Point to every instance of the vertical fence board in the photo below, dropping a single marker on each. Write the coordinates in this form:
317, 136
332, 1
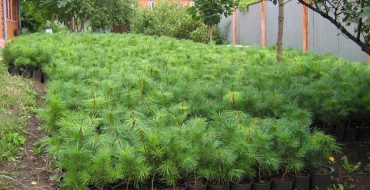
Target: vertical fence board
323, 37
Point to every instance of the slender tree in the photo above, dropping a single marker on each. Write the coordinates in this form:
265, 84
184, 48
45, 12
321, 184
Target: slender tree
210, 12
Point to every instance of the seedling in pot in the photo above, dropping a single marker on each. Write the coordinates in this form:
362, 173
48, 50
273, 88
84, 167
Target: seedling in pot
290, 151
268, 162
193, 163
321, 148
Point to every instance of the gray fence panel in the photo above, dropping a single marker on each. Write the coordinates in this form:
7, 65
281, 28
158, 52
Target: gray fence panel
323, 36
249, 26
225, 26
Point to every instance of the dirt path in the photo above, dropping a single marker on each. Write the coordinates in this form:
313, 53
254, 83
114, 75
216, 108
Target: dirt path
31, 170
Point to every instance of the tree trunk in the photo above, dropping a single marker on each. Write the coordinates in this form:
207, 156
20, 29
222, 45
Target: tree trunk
280, 36
210, 33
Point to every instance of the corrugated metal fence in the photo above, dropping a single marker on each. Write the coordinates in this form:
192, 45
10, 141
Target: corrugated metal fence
323, 37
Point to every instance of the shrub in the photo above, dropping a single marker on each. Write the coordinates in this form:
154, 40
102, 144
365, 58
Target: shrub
166, 19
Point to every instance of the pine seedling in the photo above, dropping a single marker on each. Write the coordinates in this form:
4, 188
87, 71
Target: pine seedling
54, 111
321, 147
267, 161
132, 166
101, 170
75, 161
288, 149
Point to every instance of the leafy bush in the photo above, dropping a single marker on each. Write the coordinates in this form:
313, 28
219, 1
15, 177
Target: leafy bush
166, 19
187, 111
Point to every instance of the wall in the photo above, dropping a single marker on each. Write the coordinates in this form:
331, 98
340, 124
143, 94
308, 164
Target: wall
2, 40
323, 36
12, 24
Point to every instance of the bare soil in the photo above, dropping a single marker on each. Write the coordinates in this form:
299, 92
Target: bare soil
356, 152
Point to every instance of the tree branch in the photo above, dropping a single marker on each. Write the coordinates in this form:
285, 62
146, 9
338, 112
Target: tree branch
363, 45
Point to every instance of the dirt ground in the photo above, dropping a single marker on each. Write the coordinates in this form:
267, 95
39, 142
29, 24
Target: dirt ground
31, 171
356, 152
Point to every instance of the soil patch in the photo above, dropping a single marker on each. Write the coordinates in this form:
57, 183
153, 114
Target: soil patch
31, 171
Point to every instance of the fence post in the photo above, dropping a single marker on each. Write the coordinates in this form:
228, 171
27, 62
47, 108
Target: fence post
235, 34
305, 28
263, 24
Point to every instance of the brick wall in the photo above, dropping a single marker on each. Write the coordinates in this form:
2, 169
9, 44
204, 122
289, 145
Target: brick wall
13, 24
2, 41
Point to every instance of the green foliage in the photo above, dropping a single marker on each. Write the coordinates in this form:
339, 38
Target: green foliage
350, 168
33, 18
16, 100
166, 19
210, 12
243, 4
146, 109
76, 13
111, 12
321, 147
337, 187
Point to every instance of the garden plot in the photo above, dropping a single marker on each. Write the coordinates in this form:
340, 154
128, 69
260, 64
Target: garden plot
133, 109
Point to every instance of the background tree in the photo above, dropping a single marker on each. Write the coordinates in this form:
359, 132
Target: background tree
76, 13
348, 16
280, 35
33, 18
111, 12
210, 12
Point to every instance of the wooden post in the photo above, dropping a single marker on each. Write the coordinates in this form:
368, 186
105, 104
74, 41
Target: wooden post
235, 25
368, 35
263, 24
305, 28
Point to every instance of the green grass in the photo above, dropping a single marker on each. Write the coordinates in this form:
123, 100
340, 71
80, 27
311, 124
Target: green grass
16, 98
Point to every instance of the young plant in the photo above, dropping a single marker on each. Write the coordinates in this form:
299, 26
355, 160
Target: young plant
101, 170
289, 148
321, 147
268, 161
132, 166
350, 168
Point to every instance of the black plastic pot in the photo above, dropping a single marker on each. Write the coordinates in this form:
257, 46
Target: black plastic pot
260, 186
37, 75
45, 78
363, 134
26, 73
350, 135
165, 187
321, 181
14, 70
339, 135
222, 187
236, 186
203, 187
301, 183
282, 185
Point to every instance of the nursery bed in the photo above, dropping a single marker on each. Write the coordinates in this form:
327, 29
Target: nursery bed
145, 110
